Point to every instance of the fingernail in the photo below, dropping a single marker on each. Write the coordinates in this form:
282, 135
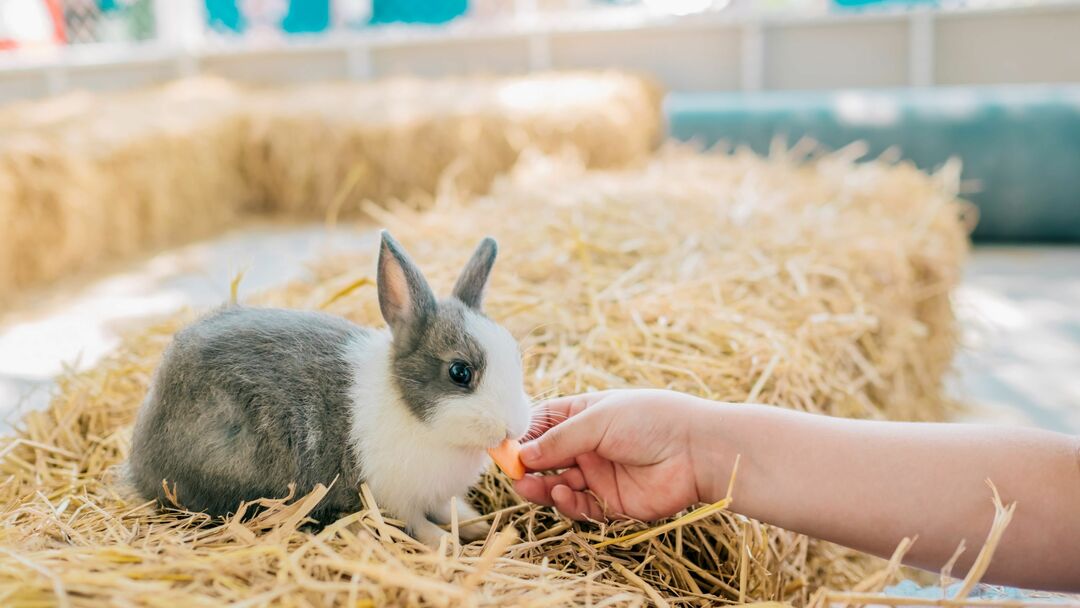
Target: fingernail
530, 452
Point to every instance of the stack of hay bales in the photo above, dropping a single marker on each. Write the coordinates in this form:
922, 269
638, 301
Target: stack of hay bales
817, 285
84, 179
88, 178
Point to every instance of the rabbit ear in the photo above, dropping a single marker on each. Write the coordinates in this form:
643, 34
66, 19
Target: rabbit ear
470, 285
405, 299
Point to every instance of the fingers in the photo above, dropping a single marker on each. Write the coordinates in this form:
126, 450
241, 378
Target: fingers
537, 488
564, 491
557, 448
553, 411
576, 504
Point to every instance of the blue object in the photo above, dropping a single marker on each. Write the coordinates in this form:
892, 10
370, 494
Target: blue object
417, 11
224, 15
307, 17
1021, 144
303, 17
313, 16
980, 592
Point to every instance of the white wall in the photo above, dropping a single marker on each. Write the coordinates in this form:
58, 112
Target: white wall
873, 54
693, 59
991, 48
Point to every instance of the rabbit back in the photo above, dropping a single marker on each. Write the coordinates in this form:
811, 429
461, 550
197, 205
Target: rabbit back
245, 402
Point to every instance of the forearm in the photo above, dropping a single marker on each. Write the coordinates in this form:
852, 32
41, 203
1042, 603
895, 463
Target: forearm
868, 484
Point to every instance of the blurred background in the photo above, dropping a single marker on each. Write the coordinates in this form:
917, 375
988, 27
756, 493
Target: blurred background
994, 84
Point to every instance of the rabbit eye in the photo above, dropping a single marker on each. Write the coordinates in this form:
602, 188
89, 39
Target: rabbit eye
460, 373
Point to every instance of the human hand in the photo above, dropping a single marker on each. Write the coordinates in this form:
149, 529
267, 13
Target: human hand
624, 453
648, 454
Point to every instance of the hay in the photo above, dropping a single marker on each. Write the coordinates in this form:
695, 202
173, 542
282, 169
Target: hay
398, 139
824, 287
85, 179
88, 179
821, 286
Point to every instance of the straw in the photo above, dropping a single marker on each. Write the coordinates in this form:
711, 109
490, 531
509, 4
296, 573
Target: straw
87, 179
819, 284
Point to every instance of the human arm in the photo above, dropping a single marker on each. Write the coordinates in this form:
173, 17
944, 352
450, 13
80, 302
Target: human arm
863, 484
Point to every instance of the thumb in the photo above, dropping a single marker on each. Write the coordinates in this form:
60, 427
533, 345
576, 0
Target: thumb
562, 443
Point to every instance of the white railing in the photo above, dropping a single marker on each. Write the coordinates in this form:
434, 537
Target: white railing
751, 47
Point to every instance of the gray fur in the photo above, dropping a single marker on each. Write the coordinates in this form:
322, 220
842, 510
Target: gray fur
470, 285
429, 335
405, 312
421, 368
245, 402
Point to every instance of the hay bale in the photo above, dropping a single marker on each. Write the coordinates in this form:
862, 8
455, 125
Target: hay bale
319, 147
170, 160
820, 286
86, 178
49, 231
89, 178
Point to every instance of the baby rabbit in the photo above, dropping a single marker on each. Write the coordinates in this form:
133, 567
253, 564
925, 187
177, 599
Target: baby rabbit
249, 400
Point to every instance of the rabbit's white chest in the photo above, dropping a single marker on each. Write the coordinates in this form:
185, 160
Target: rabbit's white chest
408, 469
406, 478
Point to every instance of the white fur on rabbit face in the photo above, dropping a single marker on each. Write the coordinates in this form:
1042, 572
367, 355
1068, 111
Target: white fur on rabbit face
497, 408
455, 369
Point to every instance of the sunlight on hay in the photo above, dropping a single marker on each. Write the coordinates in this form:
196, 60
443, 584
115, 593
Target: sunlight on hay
812, 284
401, 138
822, 287
85, 179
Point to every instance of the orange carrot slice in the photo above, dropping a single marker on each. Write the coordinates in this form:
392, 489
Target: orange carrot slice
508, 456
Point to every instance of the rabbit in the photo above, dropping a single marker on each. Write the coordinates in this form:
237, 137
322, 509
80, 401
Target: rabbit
248, 400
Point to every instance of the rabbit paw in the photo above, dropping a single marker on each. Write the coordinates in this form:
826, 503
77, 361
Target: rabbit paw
468, 532
427, 533
478, 530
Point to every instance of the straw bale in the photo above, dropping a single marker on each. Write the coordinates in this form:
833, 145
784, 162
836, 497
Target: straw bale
818, 285
85, 178
399, 138
48, 229
821, 286
90, 178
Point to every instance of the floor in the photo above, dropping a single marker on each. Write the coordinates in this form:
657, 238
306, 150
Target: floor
1020, 358
1020, 362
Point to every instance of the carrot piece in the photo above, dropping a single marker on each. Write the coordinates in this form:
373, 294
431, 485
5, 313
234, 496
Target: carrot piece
508, 456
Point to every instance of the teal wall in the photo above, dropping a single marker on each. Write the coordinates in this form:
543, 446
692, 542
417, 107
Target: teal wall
1021, 144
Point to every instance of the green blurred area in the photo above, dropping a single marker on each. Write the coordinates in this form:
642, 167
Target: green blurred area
1020, 145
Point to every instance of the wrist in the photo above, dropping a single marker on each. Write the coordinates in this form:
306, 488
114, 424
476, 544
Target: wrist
715, 444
